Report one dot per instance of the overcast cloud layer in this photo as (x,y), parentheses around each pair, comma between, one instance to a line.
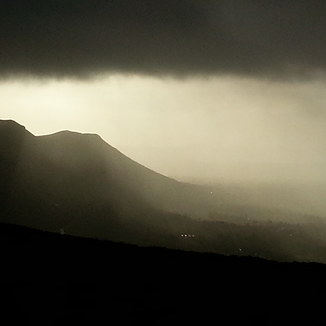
(273,39)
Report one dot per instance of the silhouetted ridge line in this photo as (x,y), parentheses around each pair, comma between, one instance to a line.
(11,127)
(77,184)
(80,183)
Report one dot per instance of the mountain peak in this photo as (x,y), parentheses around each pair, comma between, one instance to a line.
(10,128)
(11,124)
(68,135)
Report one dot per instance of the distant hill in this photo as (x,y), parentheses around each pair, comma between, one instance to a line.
(68,169)
(78,184)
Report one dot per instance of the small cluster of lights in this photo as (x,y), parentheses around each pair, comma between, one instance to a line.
(187,235)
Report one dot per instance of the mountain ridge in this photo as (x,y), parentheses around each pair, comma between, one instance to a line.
(67,175)
(80,185)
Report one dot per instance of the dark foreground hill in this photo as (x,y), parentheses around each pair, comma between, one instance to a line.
(50,279)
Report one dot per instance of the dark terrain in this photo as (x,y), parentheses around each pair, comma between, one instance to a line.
(50,279)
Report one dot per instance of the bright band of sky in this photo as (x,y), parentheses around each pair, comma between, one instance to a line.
(210,130)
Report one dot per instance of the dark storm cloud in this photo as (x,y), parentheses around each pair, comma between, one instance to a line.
(181,37)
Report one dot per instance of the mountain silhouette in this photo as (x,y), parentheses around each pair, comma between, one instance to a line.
(80,184)
(77,184)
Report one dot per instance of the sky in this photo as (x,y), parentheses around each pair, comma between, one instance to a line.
(207,91)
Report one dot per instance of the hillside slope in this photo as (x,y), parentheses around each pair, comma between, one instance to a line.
(79,183)
(51,279)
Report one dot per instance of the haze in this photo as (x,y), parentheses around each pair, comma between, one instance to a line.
(218,129)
